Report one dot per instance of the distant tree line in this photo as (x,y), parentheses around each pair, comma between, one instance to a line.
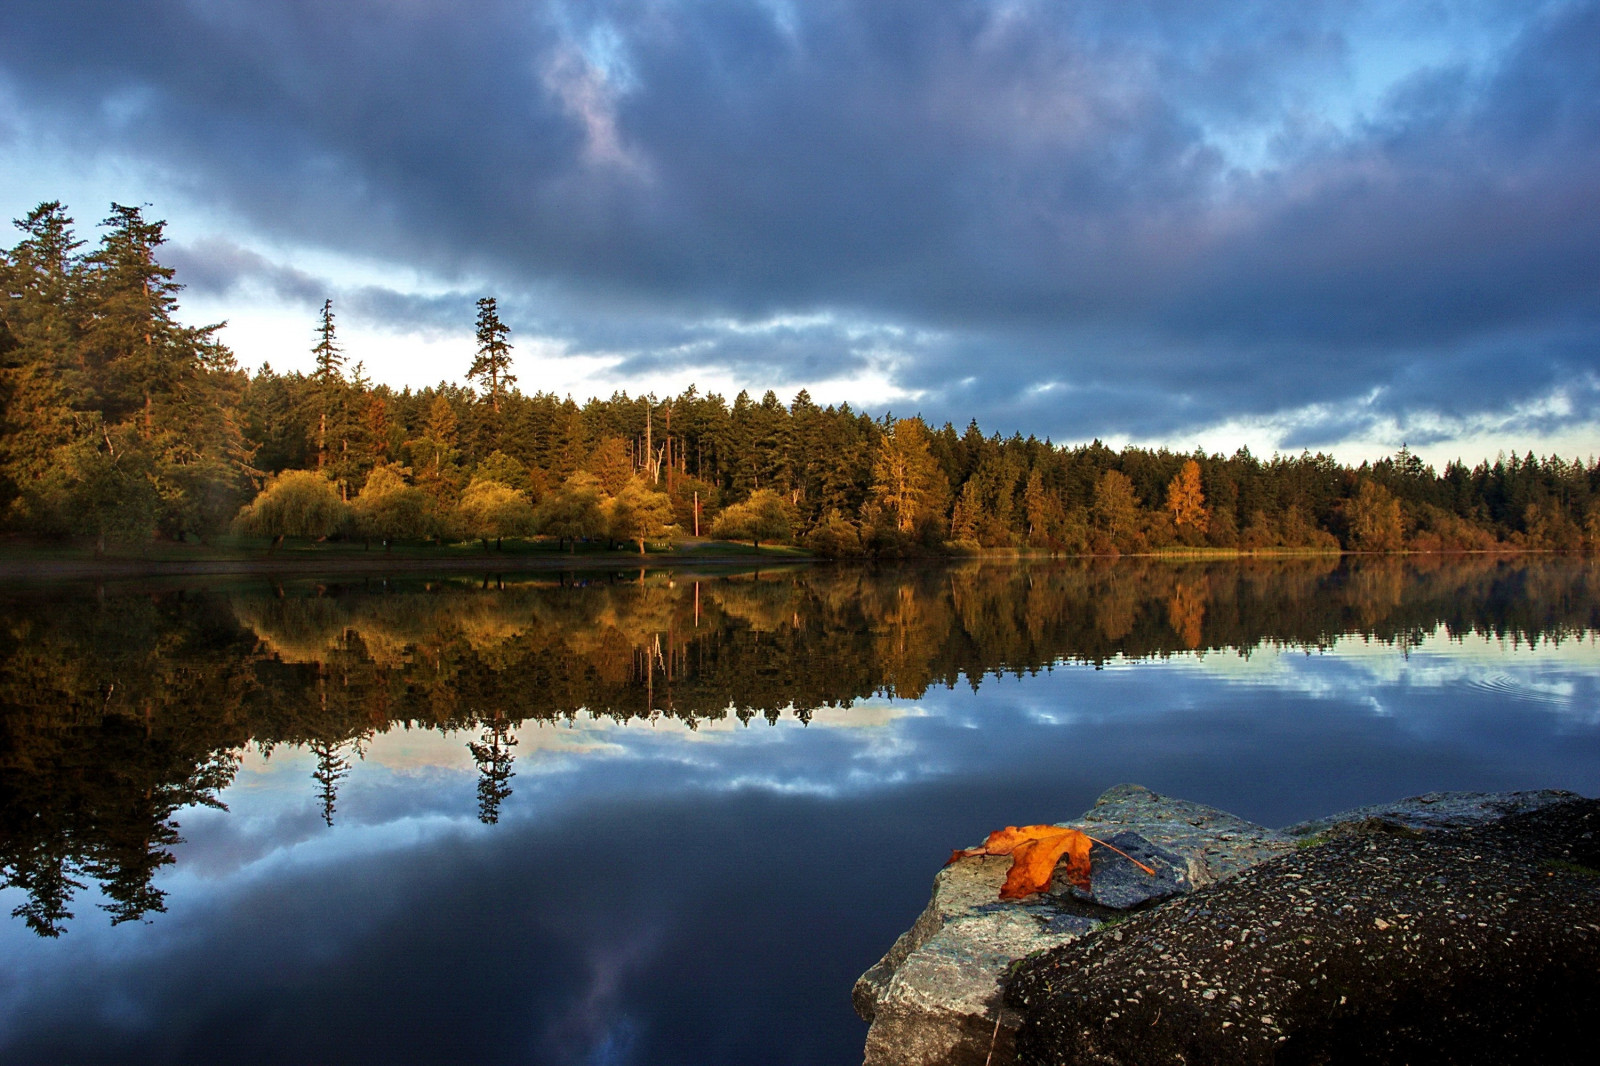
(119,423)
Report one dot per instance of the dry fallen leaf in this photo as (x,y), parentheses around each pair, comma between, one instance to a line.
(1035,850)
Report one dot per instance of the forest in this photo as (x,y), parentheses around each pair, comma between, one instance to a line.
(120,424)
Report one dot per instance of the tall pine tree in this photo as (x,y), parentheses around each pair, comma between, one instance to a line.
(329,356)
(40,331)
(492,366)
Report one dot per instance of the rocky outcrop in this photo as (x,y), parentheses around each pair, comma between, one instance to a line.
(935,997)
(939,995)
(1385,944)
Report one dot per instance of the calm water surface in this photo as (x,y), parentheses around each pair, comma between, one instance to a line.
(668,818)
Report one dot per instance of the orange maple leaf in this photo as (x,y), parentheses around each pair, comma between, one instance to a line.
(1035,850)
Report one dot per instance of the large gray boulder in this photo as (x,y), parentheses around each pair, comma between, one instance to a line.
(936,998)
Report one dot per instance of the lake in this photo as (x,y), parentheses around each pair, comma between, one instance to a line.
(666,817)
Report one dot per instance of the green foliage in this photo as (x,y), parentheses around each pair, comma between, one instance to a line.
(574,511)
(99,486)
(1116,512)
(117,421)
(296,503)
(489,509)
(764,516)
(610,464)
(835,537)
(639,513)
(498,466)
(389,508)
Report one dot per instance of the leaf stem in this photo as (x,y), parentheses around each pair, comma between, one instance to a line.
(1124,854)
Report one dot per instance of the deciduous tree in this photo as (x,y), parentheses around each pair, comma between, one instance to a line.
(906,480)
(1375,523)
(764,516)
(296,503)
(1186,501)
(491,509)
(573,511)
(639,513)
(389,507)
(1116,508)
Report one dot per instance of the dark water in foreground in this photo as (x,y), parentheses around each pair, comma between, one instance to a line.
(605,819)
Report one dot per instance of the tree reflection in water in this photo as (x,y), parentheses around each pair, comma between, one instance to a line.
(118,710)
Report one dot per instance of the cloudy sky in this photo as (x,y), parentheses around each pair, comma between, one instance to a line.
(1325,224)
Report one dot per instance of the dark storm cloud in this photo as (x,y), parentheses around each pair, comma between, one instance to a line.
(221,268)
(1159,207)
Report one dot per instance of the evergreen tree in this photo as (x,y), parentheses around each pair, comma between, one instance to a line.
(492,366)
(135,352)
(494,760)
(111,357)
(332,767)
(327,394)
(327,352)
(40,340)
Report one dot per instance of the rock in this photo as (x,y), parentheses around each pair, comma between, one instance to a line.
(935,997)
(1470,945)
(1213,843)
(1117,883)
(1440,810)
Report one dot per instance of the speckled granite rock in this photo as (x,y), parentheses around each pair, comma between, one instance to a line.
(1384,944)
(1439,810)
(936,997)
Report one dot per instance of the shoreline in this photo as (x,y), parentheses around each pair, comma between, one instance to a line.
(117,568)
(32,563)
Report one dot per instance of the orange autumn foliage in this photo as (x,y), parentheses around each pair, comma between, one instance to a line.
(1035,850)
(1187,500)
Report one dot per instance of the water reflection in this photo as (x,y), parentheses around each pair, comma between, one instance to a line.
(123,707)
